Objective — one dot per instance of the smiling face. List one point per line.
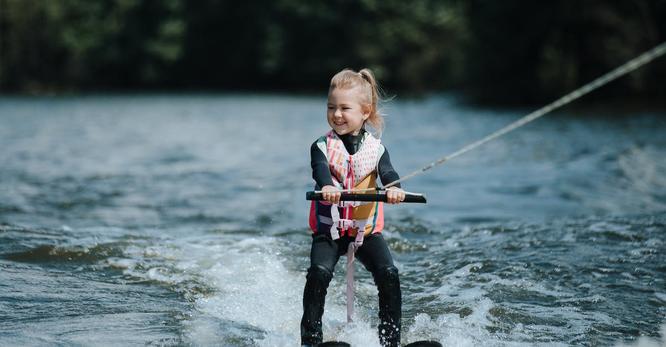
(345, 112)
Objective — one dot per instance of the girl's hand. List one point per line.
(394, 195)
(331, 194)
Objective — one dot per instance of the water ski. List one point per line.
(334, 344)
(424, 344)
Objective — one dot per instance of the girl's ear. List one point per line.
(366, 109)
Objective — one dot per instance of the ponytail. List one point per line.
(376, 119)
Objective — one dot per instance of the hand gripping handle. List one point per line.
(378, 196)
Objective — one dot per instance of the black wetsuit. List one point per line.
(374, 254)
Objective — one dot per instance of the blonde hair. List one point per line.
(369, 92)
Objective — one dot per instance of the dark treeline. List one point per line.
(506, 51)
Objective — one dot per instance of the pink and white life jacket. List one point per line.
(350, 171)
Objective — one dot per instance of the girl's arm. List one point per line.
(385, 170)
(320, 171)
(387, 174)
(322, 174)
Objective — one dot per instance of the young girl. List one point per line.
(349, 157)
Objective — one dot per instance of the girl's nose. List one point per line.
(337, 113)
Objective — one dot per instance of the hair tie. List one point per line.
(364, 77)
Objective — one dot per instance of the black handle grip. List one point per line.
(367, 197)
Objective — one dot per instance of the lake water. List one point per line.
(181, 220)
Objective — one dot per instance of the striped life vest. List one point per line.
(349, 171)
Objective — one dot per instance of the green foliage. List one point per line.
(533, 51)
(70, 44)
(509, 51)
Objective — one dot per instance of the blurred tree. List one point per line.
(300, 44)
(26, 38)
(529, 52)
(508, 51)
(77, 44)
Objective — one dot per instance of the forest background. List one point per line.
(508, 52)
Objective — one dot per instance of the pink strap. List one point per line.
(351, 251)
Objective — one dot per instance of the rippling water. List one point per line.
(181, 220)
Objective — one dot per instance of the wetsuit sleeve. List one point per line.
(385, 170)
(320, 171)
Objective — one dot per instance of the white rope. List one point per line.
(618, 72)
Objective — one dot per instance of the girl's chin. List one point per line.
(343, 130)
